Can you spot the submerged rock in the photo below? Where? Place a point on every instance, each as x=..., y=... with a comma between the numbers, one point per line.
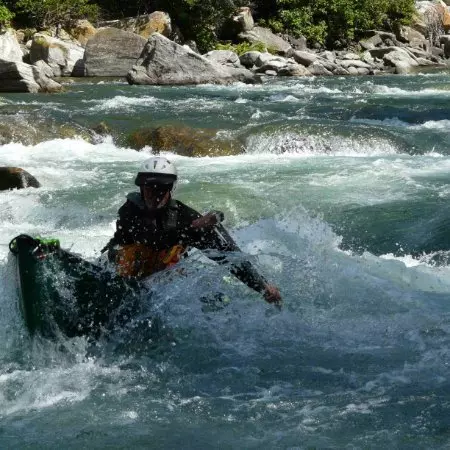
x=16, y=178
x=185, y=141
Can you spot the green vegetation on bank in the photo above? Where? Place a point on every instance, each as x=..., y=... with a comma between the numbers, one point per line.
x=330, y=23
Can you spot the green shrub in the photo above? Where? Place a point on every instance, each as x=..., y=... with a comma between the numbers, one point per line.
x=48, y=13
x=5, y=15
x=338, y=22
x=242, y=48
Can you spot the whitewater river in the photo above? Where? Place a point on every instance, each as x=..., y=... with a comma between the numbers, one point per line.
x=342, y=199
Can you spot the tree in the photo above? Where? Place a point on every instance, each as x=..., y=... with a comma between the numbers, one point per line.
x=336, y=23
x=199, y=19
x=46, y=13
x=5, y=15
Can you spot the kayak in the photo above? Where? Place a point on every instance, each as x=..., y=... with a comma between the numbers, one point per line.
x=61, y=293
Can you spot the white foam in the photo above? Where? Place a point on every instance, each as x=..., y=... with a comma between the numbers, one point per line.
x=120, y=102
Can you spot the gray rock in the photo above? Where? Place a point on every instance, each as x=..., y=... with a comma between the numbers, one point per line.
x=408, y=35
x=362, y=71
x=341, y=71
x=164, y=62
x=380, y=52
x=43, y=74
x=329, y=56
x=401, y=60
x=241, y=22
x=296, y=43
x=17, y=77
x=316, y=68
x=272, y=65
x=244, y=19
x=304, y=58
x=266, y=58
x=353, y=71
x=265, y=36
x=350, y=56
x=191, y=44
x=354, y=63
x=367, y=58
x=112, y=52
x=294, y=70
x=249, y=59
x=9, y=47
x=60, y=55
x=437, y=52
x=224, y=57
x=371, y=43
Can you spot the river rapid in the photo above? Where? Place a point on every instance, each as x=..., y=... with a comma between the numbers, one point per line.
x=341, y=199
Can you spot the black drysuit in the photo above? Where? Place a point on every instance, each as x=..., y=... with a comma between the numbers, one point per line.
x=158, y=233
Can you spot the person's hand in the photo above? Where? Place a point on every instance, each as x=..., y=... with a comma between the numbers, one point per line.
x=272, y=294
x=206, y=221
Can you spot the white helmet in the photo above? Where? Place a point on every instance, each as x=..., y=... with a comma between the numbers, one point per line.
x=157, y=170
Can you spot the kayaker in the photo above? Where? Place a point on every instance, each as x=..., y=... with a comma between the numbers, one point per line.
x=154, y=231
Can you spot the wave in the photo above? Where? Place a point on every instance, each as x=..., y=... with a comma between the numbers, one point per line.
x=119, y=102
x=307, y=145
x=396, y=122
x=399, y=92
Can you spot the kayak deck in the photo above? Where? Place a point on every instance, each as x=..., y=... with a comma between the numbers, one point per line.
x=61, y=292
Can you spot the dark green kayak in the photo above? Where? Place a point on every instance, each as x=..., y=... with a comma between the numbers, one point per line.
x=61, y=292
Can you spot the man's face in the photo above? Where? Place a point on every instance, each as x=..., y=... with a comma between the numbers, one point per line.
x=156, y=196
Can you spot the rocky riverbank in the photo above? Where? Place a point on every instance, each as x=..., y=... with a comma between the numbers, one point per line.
x=150, y=50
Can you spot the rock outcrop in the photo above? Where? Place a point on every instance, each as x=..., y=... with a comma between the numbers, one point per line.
x=272, y=42
x=9, y=47
x=64, y=58
x=112, y=52
x=163, y=62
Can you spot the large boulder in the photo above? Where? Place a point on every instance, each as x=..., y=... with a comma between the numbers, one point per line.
x=304, y=58
x=22, y=77
x=9, y=47
x=411, y=37
x=164, y=62
x=401, y=59
x=112, y=52
x=43, y=74
x=16, y=178
x=186, y=141
x=65, y=58
x=17, y=77
x=272, y=42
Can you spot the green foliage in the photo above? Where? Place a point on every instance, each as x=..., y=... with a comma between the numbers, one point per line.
x=331, y=23
x=335, y=23
x=5, y=15
x=46, y=13
x=243, y=47
x=199, y=19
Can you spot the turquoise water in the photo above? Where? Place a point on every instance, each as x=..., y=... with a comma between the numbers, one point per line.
x=341, y=200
